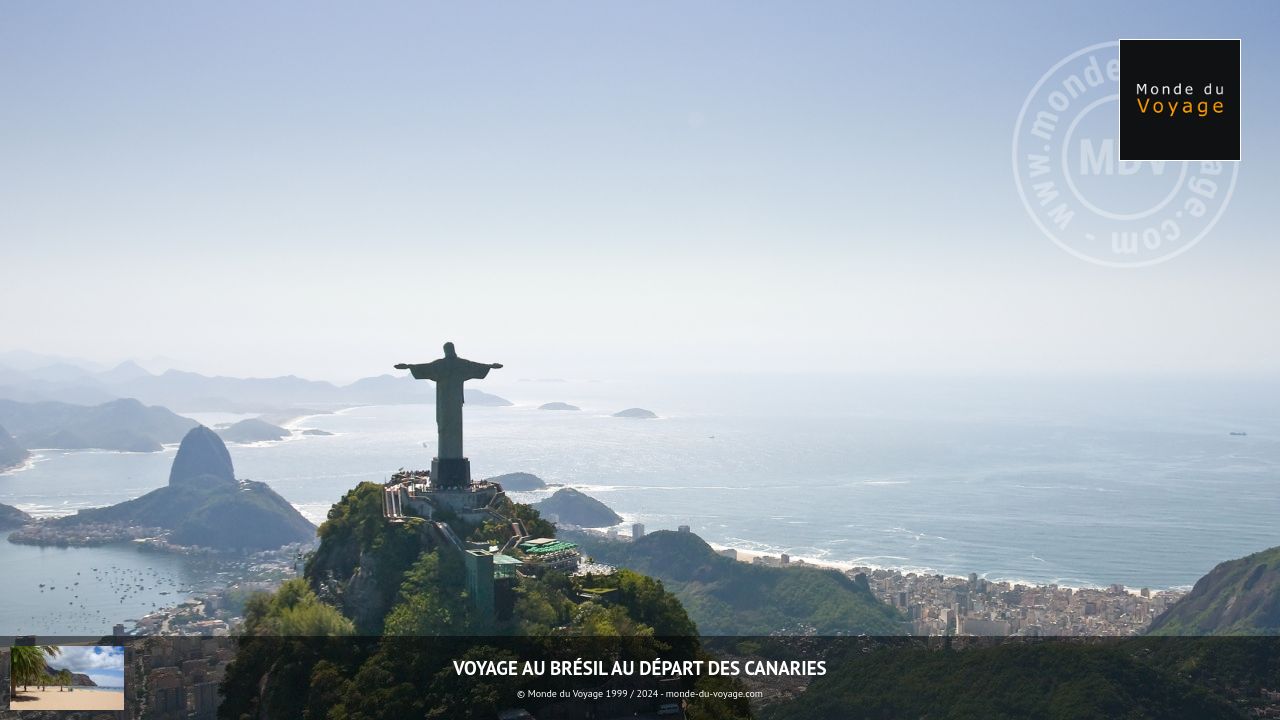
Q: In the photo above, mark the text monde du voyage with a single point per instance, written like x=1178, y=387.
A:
x=1179, y=100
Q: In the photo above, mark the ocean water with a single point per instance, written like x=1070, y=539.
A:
x=85, y=591
x=1082, y=482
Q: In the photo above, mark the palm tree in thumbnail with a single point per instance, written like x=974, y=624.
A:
x=26, y=665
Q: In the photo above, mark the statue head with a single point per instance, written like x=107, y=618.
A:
x=449, y=351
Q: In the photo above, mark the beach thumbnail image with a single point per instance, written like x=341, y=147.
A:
x=66, y=677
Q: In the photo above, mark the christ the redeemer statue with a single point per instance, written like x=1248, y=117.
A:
x=450, y=468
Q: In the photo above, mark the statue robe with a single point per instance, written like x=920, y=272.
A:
x=449, y=373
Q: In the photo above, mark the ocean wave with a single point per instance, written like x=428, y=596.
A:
x=913, y=533
x=101, y=451
x=40, y=510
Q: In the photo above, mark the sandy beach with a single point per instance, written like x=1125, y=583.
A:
x=79, y=699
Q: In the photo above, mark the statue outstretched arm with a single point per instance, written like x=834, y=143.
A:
x=424, y=371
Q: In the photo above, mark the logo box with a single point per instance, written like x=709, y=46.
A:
x=1179, y=100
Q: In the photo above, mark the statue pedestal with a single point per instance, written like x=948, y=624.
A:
x=450, y=472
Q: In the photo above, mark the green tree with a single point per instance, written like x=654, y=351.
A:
x=26, y=665
x=432, y=599
x=540, y=607
x=294, y=611
x=64, y=678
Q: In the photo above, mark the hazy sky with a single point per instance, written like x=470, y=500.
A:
x=326, y=189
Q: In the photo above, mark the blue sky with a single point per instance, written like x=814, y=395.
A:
x=573, y=186
x=104, y=664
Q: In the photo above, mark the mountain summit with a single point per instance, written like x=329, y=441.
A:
x=202, y=459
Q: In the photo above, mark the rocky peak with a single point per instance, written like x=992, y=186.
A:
x=202, y=459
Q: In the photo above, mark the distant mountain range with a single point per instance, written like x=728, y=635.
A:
x=115, y=425
x=192, y=392
x=203, y=505
x=73, y=406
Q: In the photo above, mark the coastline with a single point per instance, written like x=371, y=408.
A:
x=749, y=556
x=292, y=422
x=33, y=457
x=936, y=604
x=845, y=566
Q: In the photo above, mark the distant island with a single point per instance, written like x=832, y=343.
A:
x=519, y=481
x=203, y=506
x=11, y=453
x=11, y=517
x=253, y=430
x=558, y=406
x=317, y=432
x=577, y=508
x=125, y=425
x=639, y=413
